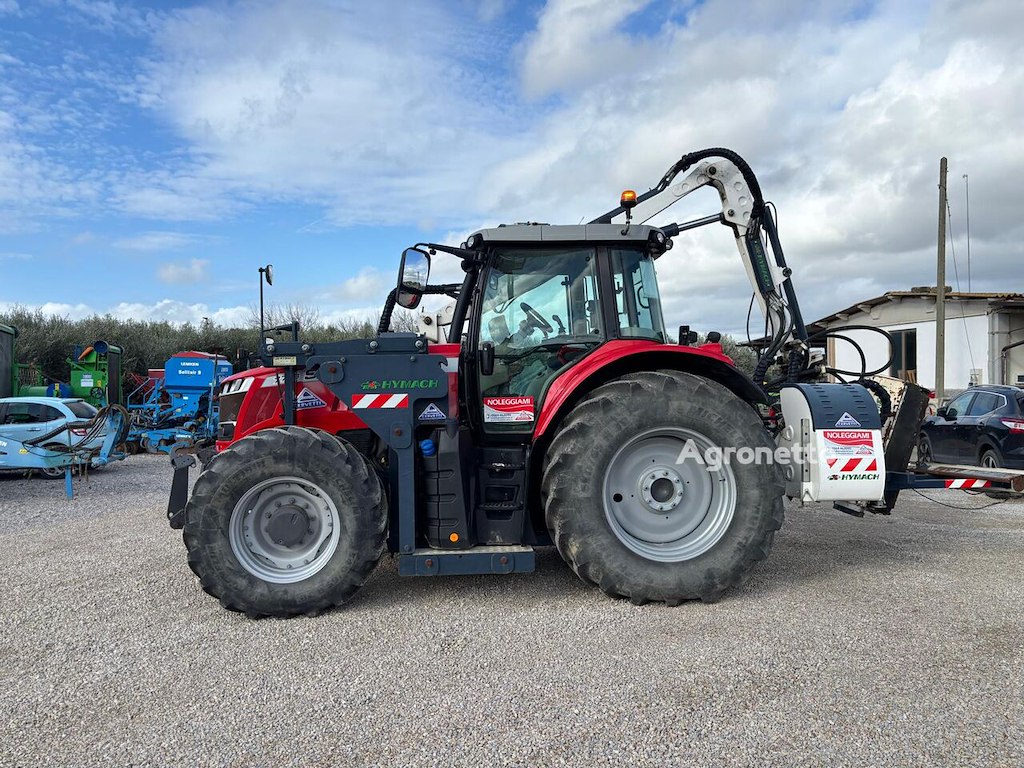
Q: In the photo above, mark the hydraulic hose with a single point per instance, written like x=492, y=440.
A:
x=690, y=158
x=384, y=325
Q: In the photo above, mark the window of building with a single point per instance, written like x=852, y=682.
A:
x=904, y=355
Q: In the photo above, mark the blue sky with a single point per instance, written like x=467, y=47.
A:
x=152, y=156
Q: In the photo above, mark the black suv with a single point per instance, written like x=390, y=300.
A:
x=984, y=426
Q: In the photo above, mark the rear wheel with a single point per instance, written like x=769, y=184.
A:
x=287, y=521
x=637, y=501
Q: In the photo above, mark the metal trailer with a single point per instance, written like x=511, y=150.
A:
x=178, y=410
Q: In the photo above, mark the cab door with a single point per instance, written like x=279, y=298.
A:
x=540, y=311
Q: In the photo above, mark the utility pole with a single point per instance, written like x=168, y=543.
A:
x=967, y=196
x=940, y=290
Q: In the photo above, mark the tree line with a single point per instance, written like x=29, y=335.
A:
x=47, y=341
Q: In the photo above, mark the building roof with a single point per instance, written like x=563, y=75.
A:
x=996, y=299
x=1000, y=299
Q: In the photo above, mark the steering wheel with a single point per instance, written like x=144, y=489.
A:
x=536, y=317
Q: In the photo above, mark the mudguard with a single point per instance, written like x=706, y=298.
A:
x=617, y=358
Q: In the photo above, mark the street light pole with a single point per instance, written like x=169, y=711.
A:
x=267, y=271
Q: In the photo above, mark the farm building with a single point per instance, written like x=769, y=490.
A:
x=984, y=336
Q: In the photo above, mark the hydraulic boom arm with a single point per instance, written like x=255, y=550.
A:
x=744, y=210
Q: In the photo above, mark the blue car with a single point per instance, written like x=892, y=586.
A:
x=982, y=426
x=25, y=418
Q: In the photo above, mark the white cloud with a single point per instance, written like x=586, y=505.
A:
x=157, y=241
x=843, y=114
x=490, y=10
x=172, y=310
x=15, y=256
x=185, y=273
x=577, y=43
x=295, y=101
x=369, y=283
x=175, y=311
x=842, y=108
x=71, y=311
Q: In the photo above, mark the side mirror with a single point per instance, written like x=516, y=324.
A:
x=951, y=414
x=686, y=336
x=941, y=413
x=413, y=274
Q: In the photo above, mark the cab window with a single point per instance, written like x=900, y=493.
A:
x=636, y=295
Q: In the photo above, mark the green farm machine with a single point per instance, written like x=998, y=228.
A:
x=95, y=373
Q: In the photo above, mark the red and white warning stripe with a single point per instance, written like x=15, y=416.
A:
x=966, y=482
x=869, y=464
x=380, y=401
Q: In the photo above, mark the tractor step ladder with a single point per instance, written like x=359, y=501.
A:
x=505, y=558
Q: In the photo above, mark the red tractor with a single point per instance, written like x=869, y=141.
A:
x=560, y=412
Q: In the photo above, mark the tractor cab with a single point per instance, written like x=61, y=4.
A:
x=539, y=299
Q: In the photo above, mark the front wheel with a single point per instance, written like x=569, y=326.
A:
x=287, y=521
x=662, y=487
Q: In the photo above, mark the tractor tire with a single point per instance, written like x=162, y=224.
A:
x=288, y=521
x=632, y=518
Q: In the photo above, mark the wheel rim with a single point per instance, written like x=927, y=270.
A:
x=53, y=472
x=666, y=510
x=988, y=460
x=284, y=530
x=926, y=453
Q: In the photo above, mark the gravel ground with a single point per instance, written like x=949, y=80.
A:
x=885, y=641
